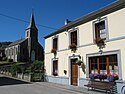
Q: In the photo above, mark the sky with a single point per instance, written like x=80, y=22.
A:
x=49, y=15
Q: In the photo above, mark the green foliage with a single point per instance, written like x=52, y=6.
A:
x=83, y=67
x=79, y=62
x=13, y=69
x=37, y=65
x=4, y=59
x=37, y=70
x=4, y=44
x=101, y=43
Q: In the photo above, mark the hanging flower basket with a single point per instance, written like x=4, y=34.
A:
x=83, y=67
x=73, y=47
x=79, y=62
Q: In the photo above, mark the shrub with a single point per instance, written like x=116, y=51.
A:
x=13, y=69
x=4, y=59
x=37, y=65
x=37, y=71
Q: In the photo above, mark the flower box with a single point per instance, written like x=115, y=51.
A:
x=100, y=43
x=54, y=51
x=73, y=47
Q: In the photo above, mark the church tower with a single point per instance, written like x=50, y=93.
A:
x=32, y=37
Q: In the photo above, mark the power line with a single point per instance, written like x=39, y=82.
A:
x=10, y=17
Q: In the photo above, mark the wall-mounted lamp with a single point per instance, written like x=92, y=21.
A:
x=65, y=72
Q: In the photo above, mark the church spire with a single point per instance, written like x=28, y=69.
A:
x=32, y=24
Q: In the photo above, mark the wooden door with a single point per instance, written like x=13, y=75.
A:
x=74, y=72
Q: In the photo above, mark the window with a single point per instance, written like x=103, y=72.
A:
x=100, y=30
x=55, y=43
x=8, y=52
x=55, y=68
x=16, y=50
x=73, y=37
x=11, y=51
x=103, y=64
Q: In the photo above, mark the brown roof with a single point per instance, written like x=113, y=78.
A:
x=101, y=12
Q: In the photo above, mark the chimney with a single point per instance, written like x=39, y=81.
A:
x=67, y=21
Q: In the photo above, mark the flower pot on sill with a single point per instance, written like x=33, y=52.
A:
x=54, y=51
x=73, y=47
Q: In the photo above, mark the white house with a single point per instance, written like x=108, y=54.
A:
x=104, y=25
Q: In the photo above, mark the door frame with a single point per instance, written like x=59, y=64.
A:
x=69, y=68
x=118, y=52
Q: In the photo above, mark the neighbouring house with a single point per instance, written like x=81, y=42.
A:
x=26, y=49
x=3, y=45
x=2, y=52
x=96, y=39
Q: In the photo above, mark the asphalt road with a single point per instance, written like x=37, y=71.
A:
x=13, y=86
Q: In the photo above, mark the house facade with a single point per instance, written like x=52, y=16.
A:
x=27, y=49
x=97, y=39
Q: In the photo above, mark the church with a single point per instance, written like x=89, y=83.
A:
x=27, y=49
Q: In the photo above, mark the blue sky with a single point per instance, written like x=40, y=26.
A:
x=50, y=13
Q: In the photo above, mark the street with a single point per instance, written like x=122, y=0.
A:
x=13, y=86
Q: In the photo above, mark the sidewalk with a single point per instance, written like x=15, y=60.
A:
x=68, y=87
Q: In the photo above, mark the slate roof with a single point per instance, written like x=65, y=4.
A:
x=98, y=13
x=32, y=23
x=17, y=42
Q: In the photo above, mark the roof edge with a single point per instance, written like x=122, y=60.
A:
x=93, y=15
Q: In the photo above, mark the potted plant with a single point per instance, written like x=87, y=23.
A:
x=73, y=47
x=54, y=51
x=81, y=63
x=83, y=67
x=100, y=43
